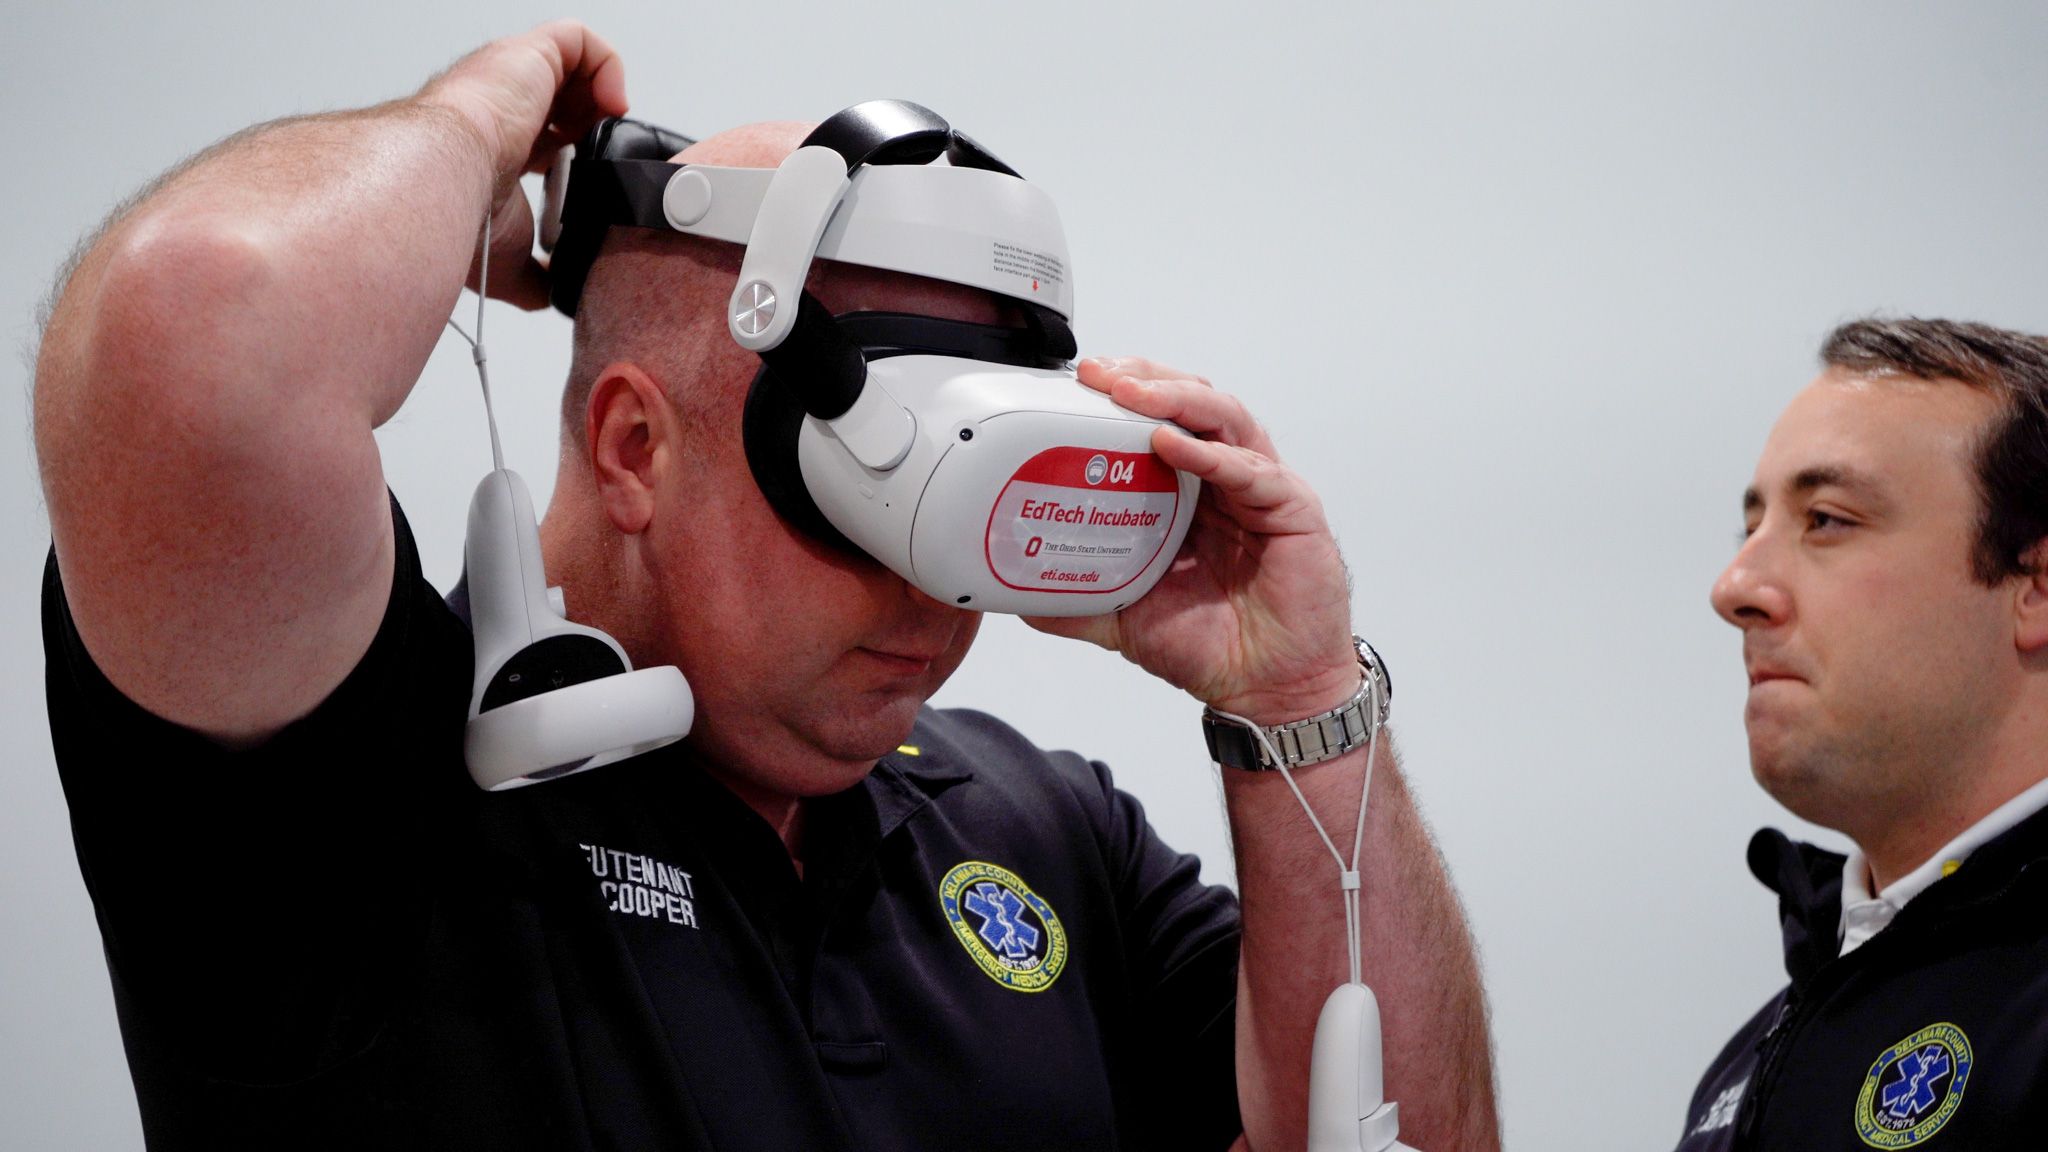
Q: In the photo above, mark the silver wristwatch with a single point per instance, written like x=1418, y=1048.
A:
x=1321, y=737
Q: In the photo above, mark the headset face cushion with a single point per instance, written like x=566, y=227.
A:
x=773, y=418
x=769, y=427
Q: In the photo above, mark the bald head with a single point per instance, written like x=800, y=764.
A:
x=657, y=299
x=762, y=145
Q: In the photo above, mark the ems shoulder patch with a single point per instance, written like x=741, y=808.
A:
x=1013, y=934
x=1914, y=1088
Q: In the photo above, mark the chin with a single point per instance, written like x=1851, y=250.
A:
x=868, y=731
x=828, y=751
x=1801, y=779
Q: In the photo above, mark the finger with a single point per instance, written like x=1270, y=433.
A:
x=529, y=287
x=548, y=148
x=1254, y=490
x=1198, y=408
x=592, y=80
x=524, y=285
x=516, y=277
x=511, y=227
x=581, y=54
x=1137, y=367
x=1100, y=631
x=1164, y=393
x=591, y=84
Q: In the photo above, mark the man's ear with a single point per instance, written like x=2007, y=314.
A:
x=2031, y=603
x=631, y=432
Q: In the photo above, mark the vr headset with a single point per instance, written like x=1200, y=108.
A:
x=964, y=457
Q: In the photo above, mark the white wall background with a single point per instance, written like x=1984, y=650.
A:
x=1519, y=287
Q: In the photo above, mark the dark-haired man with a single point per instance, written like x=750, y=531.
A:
x=321, y=935
x=1893, y=601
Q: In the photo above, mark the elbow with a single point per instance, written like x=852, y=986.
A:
x=147, y=369
x=179, y=294
x=169, y=327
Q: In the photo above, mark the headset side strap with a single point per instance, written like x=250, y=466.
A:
x=805, y=191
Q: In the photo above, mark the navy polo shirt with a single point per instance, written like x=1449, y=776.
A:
x=336, y=940
x=1932, y=1033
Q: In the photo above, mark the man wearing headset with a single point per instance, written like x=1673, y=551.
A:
x=1892, y=593
x=326, y=934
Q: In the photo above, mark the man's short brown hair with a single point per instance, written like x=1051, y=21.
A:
x=2012, y=455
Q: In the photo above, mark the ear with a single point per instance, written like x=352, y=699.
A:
x=2031, y=604
x=633, y=435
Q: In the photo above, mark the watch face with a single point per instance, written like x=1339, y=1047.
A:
x=1375, y=669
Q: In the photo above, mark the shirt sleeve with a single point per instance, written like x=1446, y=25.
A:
x=1182, y=948
x=259, y=908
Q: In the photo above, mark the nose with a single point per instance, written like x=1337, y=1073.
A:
x=1751, y=592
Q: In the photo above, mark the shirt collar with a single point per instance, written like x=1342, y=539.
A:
x=908, y=778
x=1864, y=914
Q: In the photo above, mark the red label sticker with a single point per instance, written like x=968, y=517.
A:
x=1081, y=520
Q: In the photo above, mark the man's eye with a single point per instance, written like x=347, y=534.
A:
x=1819, y=520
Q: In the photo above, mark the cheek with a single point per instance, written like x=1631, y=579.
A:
x=783, y=592
x=1893, y=634
x=963, y=636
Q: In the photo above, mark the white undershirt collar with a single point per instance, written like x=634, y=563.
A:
x=1865, y=915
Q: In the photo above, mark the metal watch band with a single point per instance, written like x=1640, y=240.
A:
x=1324, y=736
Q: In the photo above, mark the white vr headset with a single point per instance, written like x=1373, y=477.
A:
x=964, y=457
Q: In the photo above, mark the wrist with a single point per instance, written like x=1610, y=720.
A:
x=1319, y=691
x=1240, y=740
x=468, y=122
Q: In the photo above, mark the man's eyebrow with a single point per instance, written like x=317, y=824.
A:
x=1817, y=477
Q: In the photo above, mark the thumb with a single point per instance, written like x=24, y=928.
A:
x=515, y=276
x=1101, y=631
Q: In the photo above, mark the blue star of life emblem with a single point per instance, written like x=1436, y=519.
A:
x=1000, y=910
x=1913, y=1092
x=1914, y=1088
x=1013, y=935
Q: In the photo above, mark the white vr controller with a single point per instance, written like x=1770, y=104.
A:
x=551, y=696
x=1347, y=1106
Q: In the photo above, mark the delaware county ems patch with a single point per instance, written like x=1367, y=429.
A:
x=1914, y=1088
x=1011, y=932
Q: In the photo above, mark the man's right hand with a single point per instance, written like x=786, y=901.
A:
x=527, y=96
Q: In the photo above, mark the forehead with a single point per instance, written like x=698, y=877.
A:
x=1909, y=436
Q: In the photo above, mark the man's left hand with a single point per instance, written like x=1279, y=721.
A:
x=1254, y=616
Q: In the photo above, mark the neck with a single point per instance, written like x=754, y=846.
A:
x=590, y=566
x=783, y=813
x=2013, y=762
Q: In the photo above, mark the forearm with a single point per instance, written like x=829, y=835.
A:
x=1418, y=956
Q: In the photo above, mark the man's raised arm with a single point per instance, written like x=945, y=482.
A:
x=217, y=360
x=1254, y=619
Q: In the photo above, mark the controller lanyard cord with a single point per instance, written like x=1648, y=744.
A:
x=476, y=346
x=1354, y=912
